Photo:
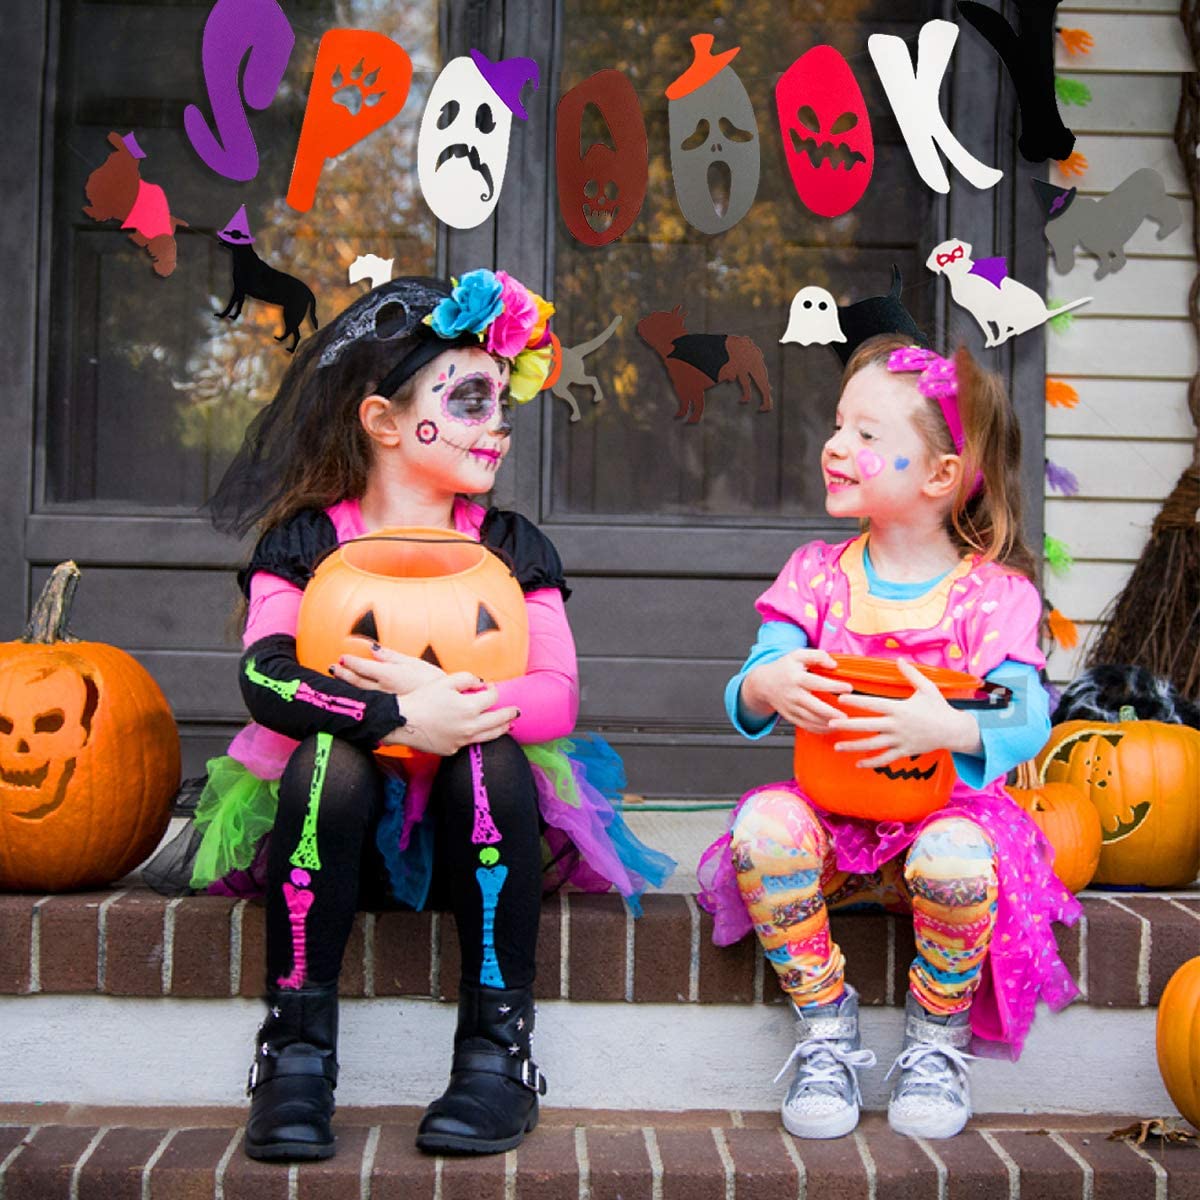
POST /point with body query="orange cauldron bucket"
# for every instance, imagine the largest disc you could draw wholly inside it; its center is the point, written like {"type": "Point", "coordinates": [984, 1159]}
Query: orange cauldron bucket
{"type": "Point", "coordinates": [905, 790]}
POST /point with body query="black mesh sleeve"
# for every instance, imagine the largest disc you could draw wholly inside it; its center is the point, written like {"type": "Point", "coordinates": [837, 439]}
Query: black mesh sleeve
{"type": "Point", "coordinates": [529, 551]}
{"type": "Point", "coordinates": [292, 700]}
{"type": "Point", "coordinates": [293, 549]}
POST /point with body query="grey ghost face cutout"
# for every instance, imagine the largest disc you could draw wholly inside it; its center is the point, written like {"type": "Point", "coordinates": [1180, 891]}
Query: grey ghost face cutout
{"type": "Point", "coordinates": [714, 152]}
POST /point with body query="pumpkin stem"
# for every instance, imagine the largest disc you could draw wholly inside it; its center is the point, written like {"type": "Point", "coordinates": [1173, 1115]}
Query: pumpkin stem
{"type": "Point", "coordinates": [52, 611]}
{"type": "Point", "coordinates": [1027, 776]}
{"type": "Point", "coordinates": [1126, 713]}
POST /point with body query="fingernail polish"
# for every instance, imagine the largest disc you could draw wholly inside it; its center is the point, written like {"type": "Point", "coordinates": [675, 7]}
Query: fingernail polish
{"type": "Point", "coordinates": [376, 646]}
{"type": "Point", "coordinates": [332, 670]}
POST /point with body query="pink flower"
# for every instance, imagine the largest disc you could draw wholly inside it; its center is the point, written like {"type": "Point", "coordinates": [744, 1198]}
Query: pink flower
{"type": "Point", "coordinates": [509, 332]}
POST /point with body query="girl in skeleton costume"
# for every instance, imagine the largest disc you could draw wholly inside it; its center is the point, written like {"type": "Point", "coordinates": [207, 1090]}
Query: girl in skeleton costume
{"type": "Point", "coordinates": [391, 416]}
{"type": "Point", "coordinates": [925, 453]}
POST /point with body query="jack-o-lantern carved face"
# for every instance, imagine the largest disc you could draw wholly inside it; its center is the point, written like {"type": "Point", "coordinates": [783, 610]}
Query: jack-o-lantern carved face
{"type": "Point", "coordinates": [826, 130]}
{"type": "Point", "coordinates": [428, 593]}
{"type": "Point", "coordinates": [714, 152]}
{"type": "Point", "coordinates": [601, 188]}
{"type": "Point", "coordinates": [45, 717]}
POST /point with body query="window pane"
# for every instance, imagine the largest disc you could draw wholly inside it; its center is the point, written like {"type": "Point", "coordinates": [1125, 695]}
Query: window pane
{"type": "Point", "coordinates": [627, 456]}
{"type": "Point", "coordinates": [148, 392]}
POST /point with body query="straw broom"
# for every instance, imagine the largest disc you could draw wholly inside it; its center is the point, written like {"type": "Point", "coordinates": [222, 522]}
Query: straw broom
{"type": "Point", "coordinates": [1155, 622]}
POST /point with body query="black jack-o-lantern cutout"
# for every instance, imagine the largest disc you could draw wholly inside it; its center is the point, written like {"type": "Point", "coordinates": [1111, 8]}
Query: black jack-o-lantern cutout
{"type": "Point", "coordinates": [601, 189]}
{"type": "Point", "coordinates": [429, 593]}
{"type": "Point", "coordinates": [826, 130]}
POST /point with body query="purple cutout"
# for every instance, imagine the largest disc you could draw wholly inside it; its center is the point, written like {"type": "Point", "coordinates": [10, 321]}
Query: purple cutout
{"type": "Point", "coordinates": [485, 828]}
{"type": "Point", "coordinates": [298, 902]}
{"type": "Point", "coordinates": [257, 33]}
{"type": "Point", "coordinates": [994, 270]}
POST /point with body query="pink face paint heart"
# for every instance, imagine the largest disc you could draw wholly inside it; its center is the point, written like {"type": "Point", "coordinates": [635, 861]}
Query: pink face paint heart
{"type": "Point", "coordinates": [869, 463]}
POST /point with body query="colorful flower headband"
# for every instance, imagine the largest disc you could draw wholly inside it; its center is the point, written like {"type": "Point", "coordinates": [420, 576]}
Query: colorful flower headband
{"type": "Point", "coordinates": [938, 381]}
{"type": "Point", "coordinates": [509, 320]}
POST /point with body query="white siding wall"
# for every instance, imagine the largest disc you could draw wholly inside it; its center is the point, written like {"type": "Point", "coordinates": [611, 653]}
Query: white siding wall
{"type": "Point", "coordinates": [1131, 351]}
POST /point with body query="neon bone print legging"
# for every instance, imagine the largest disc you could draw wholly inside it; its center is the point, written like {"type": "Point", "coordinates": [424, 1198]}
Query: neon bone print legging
{"type": "Point", "coordinates": [789, 881]}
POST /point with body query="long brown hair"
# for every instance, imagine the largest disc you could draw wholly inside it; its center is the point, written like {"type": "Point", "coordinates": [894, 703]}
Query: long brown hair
{"type": "Point", "coordinates": [989, 523]}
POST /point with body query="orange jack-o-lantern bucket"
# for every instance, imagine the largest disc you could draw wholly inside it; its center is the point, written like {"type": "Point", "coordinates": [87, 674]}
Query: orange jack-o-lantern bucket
{"type": "Point", "coordinates": [430, 593]}
{"type": "Point", "coordinates": [905, 790]}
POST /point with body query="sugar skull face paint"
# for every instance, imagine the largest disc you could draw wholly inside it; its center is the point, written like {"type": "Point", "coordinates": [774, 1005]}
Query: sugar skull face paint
{"type": "Point", "coordinates": [427, 433]}
{"type": "Point", "coordinates": [901, 463]}
{"type": "Point", "coordinates": [470, 399]}
{"type": "Point", "coordinates": [869, 463]}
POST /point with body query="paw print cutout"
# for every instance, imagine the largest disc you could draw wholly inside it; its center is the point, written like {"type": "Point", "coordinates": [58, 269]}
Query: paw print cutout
{"type": "Point", "coordinates": [351, 93]}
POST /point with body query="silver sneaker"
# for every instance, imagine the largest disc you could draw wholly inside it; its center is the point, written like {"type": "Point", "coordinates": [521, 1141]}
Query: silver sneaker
{"type": "Point", "coordinates": [931, 1097]}
{"type": "Point", "coordinates": [824, 1098]}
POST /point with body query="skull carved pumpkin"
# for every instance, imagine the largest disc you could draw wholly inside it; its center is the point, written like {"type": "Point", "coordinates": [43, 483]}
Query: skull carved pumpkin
{"type": "Point", "coordinates": [89, 755]}
{"type": "Point", "coordinates": [826, 130]}
{"type": "Point", "coordinates": [429, 593]}
{"type": "Point", "coordinates": [904, 790]}
{"type": "Point", "coordinates": [601, 189]}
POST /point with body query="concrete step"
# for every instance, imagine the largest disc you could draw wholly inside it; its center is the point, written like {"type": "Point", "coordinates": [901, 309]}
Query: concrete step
{"type": "Point", "coordinates": [181, 1154]}
{"type": "Point", "coordinates": [633, 1014]}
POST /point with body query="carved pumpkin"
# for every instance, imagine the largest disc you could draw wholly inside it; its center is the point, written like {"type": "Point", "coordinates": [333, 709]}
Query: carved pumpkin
{"type": "Point", "coordinates": [1144, 779]}
{"type": "Point", "coordinates": [905, 790]}
{"type": "Point", "coordinates": [430, 593]}
{"type": "Point", "coordinates": [89, 755]}
{"type": "Point", "coordinates": [1069, 821]}
{"type": "Point", "coordinates": [1178, 1039]}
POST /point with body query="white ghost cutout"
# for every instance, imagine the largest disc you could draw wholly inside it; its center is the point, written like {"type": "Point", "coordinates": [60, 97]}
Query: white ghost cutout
{"type": "Point", "coordinates": [813, 319]}
{"type": "Point", "coordinates": [462, 145]}
{"type": "Point", "coordinates": [372, 268]}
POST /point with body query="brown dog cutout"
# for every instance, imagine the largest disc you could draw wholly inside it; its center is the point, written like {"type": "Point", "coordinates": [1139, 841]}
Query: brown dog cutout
{"type": "Point", "coordinates": [117, 192]}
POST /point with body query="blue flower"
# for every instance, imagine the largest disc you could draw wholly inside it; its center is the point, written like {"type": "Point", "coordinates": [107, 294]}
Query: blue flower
{"type": "Point", "coordinates": [475, 303]}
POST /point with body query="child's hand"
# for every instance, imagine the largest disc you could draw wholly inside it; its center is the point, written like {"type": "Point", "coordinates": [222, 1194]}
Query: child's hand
{"type": "Point", "coordinates": [443, 716]}
{"type": "Point", "coordinates": [917, 725]}
{"type": "Point", "coordinates": [388, 671]}
{"type": "Point", "coordinates": [787, 687]}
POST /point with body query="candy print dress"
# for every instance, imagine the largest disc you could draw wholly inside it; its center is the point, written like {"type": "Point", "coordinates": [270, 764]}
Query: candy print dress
{"type": "Point", "coordinates": [975, 617]}
{"type": "Point", "coordinates": [586, 842]}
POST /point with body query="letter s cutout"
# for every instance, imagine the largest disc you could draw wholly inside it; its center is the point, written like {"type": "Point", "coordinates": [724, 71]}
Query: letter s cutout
{"type": "Point", "coordinates": [258, 32]}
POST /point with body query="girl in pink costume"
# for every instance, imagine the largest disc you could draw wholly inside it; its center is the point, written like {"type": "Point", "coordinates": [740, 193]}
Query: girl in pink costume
{"type": "Point", "coordinates": [391, 416]}
{"type": "Point", "coordinates": [925, 453]}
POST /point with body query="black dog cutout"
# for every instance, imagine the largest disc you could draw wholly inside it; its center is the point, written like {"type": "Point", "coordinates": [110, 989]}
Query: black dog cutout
{"type": "Point", "coordinates": [254, 278]}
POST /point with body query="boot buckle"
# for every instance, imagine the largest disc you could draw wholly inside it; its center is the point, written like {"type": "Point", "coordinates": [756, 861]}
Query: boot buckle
{"type": "Point", "coordinates": [532, 1077]}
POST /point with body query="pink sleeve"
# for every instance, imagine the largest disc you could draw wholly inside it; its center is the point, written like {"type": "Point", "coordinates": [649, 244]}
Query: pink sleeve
{"type": "Point", "coordinates": [548, 693]}
{"type": "Point", "coordinates": [274, 607]}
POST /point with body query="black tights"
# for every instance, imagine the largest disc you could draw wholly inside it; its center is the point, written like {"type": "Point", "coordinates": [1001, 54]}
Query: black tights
{"type": "Point", "coordinates": [487, 859]}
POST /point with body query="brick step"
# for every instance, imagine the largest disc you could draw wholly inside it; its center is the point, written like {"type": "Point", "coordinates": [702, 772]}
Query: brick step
{"type": "Point", "coordinates": [106, 1154]}
{"type": "Point", "coordinates": [134, 942]}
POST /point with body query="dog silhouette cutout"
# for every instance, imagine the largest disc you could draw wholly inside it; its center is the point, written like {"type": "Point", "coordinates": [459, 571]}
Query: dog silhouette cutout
{"type": "Point", "coordinates": [1003, 307]}
{"type": "Point", "coordinates": [1103, 226]}
{"type": "Point", "coordinates": [572, 372]}
{"type": "Point", "coordinates": [697, 362]}
{"type": "Point", "coordinates": [116, 191]}
{"type": "Point", "coordinates": [258, 280]}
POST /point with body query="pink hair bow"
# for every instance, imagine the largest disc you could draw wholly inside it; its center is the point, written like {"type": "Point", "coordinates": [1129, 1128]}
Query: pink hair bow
{"type": "Point", "coordinates": [938, 381]}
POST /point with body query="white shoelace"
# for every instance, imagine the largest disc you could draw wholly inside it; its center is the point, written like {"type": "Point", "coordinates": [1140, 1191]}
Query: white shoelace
{"type": "Point", "coordinates": [927, 1073]}
{"type": "Point", "coordinates": [830, 1072]}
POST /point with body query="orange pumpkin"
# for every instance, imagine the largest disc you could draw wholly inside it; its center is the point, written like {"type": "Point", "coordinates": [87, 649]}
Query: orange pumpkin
{"type": "Point", "coordinates": [1144, 779]}
{"type": "Point", "coordinates": [1069, 821]}
{"type": "Point", "coordinates": [89, 755]}
{"type": "Point", "coordinates": [430, 593]}
{"type": "Point", "coordinates": [1178, 1039]}
{"type": "Point", "coordinates": [905, 790]}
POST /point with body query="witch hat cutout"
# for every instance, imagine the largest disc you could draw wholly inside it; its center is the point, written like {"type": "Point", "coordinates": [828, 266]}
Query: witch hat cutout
{"type": "Point", "coordinates": [256, 279]}
{"type": "Point", "coordinates": [506, 77]}
{"type": "Point", "coordinates": [1103, 226]}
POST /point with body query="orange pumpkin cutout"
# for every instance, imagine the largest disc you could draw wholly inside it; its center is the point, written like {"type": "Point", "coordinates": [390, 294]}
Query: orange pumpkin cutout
{"type": "Point", "coordinates": [430, 593]}
{"type": "Point", "coordinates": [1144, 779]}
{"type": "Point", "coordinates": [89, 755]}
{"type": "Point", "coordinates": [1069, 821]}
{"type": "Point", "coordinates": [1178, 1039]}
{"type": "Point", "coordinates": [905, 790]}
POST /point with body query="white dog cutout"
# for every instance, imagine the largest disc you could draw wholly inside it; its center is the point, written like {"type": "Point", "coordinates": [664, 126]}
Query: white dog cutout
{"type": "Point", "coordinates": [813, 319]}
{"type": "Point", "coordinates": [984, 289]}
{"type": "Point", "coordinates": [371, 267]}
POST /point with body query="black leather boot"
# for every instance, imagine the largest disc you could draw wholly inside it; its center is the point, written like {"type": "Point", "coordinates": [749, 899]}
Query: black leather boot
{"type": "Point", "coordinates": [293, 1076]}
{"type": "Point", "coordinates": [492, 1100]}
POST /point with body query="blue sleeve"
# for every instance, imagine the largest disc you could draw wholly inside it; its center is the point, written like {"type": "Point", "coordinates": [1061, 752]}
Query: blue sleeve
{"type": "Point", "coordinates": [775, 639]}
{"type": "Point", "coordinates": [1009, 735]}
